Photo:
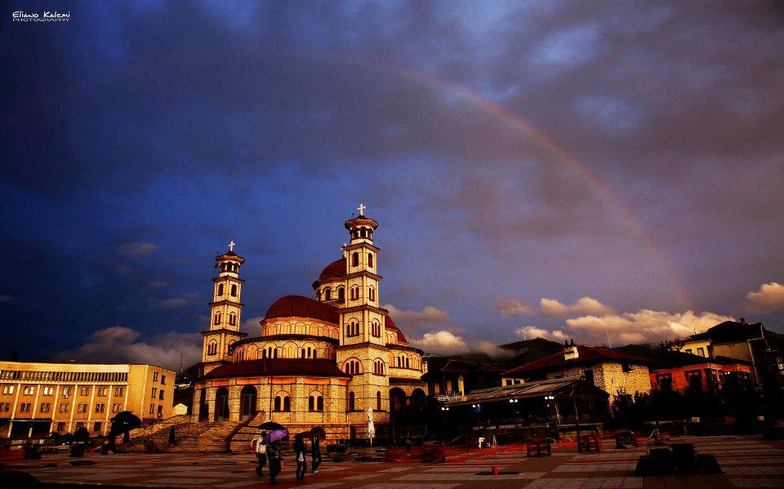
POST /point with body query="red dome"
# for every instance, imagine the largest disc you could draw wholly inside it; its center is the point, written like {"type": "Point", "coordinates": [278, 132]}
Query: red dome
{"type": "Point", "coordinates": [336, 269]}
{"type": "Point", "coordinates": [390, 324]}
{"type": "Point", "coordinates": [303, 307]}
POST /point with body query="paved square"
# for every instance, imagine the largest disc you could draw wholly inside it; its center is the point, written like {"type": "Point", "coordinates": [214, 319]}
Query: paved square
{"type": "Point", "coordinates": [745, 461]}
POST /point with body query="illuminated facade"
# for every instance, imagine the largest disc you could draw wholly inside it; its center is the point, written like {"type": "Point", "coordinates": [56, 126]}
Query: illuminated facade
{"type": "Point", "coordinates": [317, 361]}
{"type": "Point", "coordinates": [41, 398]}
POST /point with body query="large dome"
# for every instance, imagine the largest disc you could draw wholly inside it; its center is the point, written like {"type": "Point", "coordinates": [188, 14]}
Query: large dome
{"type": "Point", "coordinates": [303, 307]}
{"type": "Point", "coordinates": [334, 271]}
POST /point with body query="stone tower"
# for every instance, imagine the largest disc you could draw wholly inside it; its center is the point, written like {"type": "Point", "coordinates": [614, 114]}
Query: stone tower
{"type": "Point", "coordinates": [362, 335]}
{"type": "Point", "coordinates": [225, 311]}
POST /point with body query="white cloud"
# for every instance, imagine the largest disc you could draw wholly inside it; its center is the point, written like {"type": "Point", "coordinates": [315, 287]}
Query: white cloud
{"type": "Point", "coordinates": [251, 325]}
{"type": "Point", "coordinates": [172, 302]}
{"type": "Point", "coordinates": [584, 305]}
{"type": "Point", "coordinates": [769, 297]}
{"type": "Point", "coordinates": [428, 315]}
{"type": "Point", "coordinates": [644, 325]}
{"type": "Point", "coordinates": [444, 342]}
{"type": "Point", "coordinates": [531, 332]}
{"type": "Point", "coordinates": [512, 307]}
{"type": "Point", "coordinates": [136, 248]}
{"type": "Point", "coordinates": [119, 344]}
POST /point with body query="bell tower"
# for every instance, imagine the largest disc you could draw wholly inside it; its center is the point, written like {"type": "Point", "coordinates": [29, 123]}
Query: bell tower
{"type": "Point", "coordinates": [225, 311]}
{"type": "Point", "coordinates": [362, 332]}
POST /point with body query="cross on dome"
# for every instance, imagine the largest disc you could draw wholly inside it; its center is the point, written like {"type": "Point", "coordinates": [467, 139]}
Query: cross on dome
{"type": "Point", "coordinates": [361, 209]}
{"type": "Point", "coordinates": [232, 244]}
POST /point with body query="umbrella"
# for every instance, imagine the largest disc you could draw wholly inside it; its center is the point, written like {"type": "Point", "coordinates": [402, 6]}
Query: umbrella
{"type": "Point", "coordinates": [275, 435]}
{"type": "Point", "coordinates": [127, 420]}
{"type": "Point", "coordinates": [319, 431]}
{"type": "Point", "coordinates": [371, 426]}
{"type": "Point", "coordinates": [271, 425]}
{"type": "Point", "coordinates": [304, 434]}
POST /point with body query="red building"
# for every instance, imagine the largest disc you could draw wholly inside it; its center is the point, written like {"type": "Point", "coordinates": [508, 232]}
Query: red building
{"type": "Point", "coordinates": [679, 371]}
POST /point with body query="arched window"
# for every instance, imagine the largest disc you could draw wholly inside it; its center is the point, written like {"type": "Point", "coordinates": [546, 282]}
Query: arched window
{"type": "Point", "coordinates": [234, 290]}
{"type": "Point", "coordinates": [378, 367]}
{"type": "Point", "coordinates": [352, 328]}
{"type": "Point", "coordinates": [370, 260]}
{"type": "Point", "coordinates": [217, 318]}
{"type": "Point", "coordinates": [353, 367]}
{"type": "Point", "coordinates": [355, 259]}
{"type": "Point", "coordinates": [371, 293]}
{"type": "Point", "coordinates": [351, 401]}
{"type": "Point", "coordinates": [341, 294]}
{"type": "Point", "coordinates": [327, 294]}
{"type": "Point", "coordinates": [277, 404]}
{"type": "Point", "coordinates": [220, 290]}
{"type": "Point", "coordinates": [408, 365]}
{"type": "Point", "coordinates": [232, 318]}
{"type": "Point", "coordinates": [212, 348]}
{"type": "Point", "coordinates": [320, 404]}
{"type": "Point", "coordinates": [378, 400]}
{"type": "Point", "coordinates": [311, 403]}
{"type": "Point", "coordinates": [241, 355]}
{"type": "Point", "coordinates": [354, 293]}
{"type": "Point", "coordinates": [286, 404]}
{"type": "Point", "coordinates": [375, 329]}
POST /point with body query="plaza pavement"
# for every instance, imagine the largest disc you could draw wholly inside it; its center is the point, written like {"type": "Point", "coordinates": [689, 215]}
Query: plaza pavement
{"type": "Point", "coordinates": [747, 462]}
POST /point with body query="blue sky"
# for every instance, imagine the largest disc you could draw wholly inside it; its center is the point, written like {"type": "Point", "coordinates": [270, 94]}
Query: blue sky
{"type": "Point", "coordinates": [139, 138]}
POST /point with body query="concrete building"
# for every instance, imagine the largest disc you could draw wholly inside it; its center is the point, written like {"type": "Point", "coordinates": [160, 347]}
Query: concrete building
{"type": "Point", "coordinates": [678, 371]}
{"type": "Point", "coordinates": [321, 361]}
{"type": "Point", "coordinates": [41, 398]}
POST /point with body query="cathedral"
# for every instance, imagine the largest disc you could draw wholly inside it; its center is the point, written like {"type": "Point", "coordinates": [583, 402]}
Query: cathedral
{"type": "Point", "coordinates": [326, 361]}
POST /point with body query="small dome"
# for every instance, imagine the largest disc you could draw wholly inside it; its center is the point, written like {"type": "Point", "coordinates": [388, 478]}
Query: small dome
{"type": "Point", "coordinates": [390, 324]}
{"type": "Point", "coordinates": [303, 307]}
{"type": "Point", "coordinates": [336, 269]}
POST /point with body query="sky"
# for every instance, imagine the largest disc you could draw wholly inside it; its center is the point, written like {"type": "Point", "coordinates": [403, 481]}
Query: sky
{"type": "Point", "coordinates": [609, 172]}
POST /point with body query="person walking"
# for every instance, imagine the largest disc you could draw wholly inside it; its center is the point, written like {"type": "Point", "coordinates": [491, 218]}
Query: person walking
{"type": "Point", "coordinates": [299, 453]}
{"type": "Point", "coordinates": [273, 456]}
{"type": "Point", "coordinates": [315, 454]}
{"type": "Point", "coordinates": [261, 454]}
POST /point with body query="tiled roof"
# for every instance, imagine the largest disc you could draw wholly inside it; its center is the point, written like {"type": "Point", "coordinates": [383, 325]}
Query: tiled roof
{"type": "Point", "coordinates": [730, 331]}
{"type": "Point", "coordinates": [304, 307]}
{"type": "Point", "coordinates": [322, 367]}
{"type": "Point", "coordinates": [390, 324]}
{"type": "Point", "coordinates": [560, 388]}
{"type": "Point", "coordinates": [361, 221]}
{"type": "Point", "coordinates": [586, 355]}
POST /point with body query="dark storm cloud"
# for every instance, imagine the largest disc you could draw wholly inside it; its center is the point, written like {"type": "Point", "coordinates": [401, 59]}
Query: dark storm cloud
{"type": "Point", "coordinates": [136, 136]}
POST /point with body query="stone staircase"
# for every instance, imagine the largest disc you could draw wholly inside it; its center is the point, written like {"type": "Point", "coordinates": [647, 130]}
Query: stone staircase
{"type": "Point", "coordinates": [241, 439]}
{"type": "Point", "coordinates": [203, 437]}
{"type": "Point", "coordinates": [158, 426]}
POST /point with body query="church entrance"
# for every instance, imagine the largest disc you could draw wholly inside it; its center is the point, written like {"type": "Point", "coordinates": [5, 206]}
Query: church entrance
{"type": "Point", "coordinates": [222, 404]}
{"type": "Point", "coordinates": [204, 410]}
{"type": "Point", "coordinates": [247, 402]}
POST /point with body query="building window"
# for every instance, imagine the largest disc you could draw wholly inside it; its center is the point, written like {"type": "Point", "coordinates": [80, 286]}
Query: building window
{"type": "Point", "coordinates": [217, 318]}
{"type": "Point", "coordinates": [64, 408]}
{"type": "Point", "coordinates": [61, 426]}
{"type": "Point", "coordinates": [80, 424]}
{"type": "Point", "coordinates": [220, 290]}
{"type": "Point", "coordinates": [29, 390]}
{"type": "Point", "coordinates": [66, 391]}
{"type": "Point", "coordinates": [232, 319]}
{"type": "Point", "coordinates": [378, 367]}
{"type": "Point", "coordinates": [45, 407]}
{"type": "Point", "coordinates": [84, 390]}
{"type": "Point", "coordinates": [100, 392]}
{"type": "Point", "coordinates": [48, 390]}
{"type": "Point", "coordinates": [370, 260]}
{"type": "Point", "coordinates": [341, 294]}
{"type": "Point", "coordinates": [354, 293]}
{"type": "Point", "coordinates": [97, 426]}
{"type": "Point", "coordinates": [694, 378]}
{"type": "Point", "coordinates": [99, 408]}
{"type": "Point", "coordinates": [8, 389]}
{"type": "Point", "coordinates": [701, 351]}
{"type": "Point", "coordinates": [154, 392]}
{"type": "Point", "coordinates": [665, 382]}
{"type": "Point", "coordinates": [375, 329]}
{"type": "Point", "coordinates": [351, 401]}
{"type": "Point", "coordinates": [152, 409]}
{"type": "Point", "coordinates": [212, 348]}
{"type": "Point", "coordinates": [626, 367]}
{"type": "Point", "coordinates": [378, 401]}
{"type": "Point", "coordinates": [115, 408]}
{"type": "Point", "coordinates": [160, 411]}
{"type": "Point", "coordinates": [371, 293]}
{"type": "Point", "coordinates": [25, 407]}
{"type": "Point", "coordinates": [408, 365]}
{"type": "Point", "coordinates": [286, 404]}
{"type": "Point", "coordinates": [355, 259]}
{"type": "Point", "coordinates": [688, 350]}
{"type": "Point", "coordinates": [316, 403]}
{"type": "Point", "coordinates": [160, 395]}
{"type": "Point", "coordinates": [327, 294]}
{"type": "Point", "coordinates": [118, 391]}
{"type": "Point", "coordinates": [234, 290]}
{"type": "Point", "coordinates": [353, 367]}
{"type": "Point", "coordinates": [352, 328]}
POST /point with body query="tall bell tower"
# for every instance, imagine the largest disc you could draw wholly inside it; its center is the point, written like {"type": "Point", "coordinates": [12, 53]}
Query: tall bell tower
{"type": "Point", "coordinates": [362, 335]}
{"type": "Point", "coordinates": [225, 311]}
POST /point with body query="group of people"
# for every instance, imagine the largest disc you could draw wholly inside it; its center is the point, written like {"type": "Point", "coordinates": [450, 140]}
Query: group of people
{"type": "Point", "coordinates": [272, 453]}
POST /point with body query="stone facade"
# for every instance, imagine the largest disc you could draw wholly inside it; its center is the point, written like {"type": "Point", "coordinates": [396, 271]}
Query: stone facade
{"type": "Point", "coordinates": [344, 325]}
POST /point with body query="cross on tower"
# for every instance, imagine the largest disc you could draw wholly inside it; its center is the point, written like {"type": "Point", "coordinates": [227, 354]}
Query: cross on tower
{"type": "Point", "coordinates": [361, 209]}
{"type": "Point", "coordinates": [232, 244]}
